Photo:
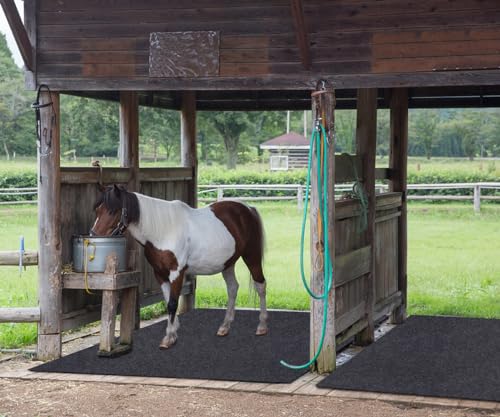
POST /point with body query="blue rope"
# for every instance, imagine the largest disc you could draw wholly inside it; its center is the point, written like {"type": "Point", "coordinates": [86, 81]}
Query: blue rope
{"type": "Point", "coordinates": [322, 188]}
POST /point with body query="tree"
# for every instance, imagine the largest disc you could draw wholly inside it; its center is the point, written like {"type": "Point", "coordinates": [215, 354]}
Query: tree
{"type": "Point", "coordinates": [423, 124]}
{"type": "Point", "coordinates": [160, 131]}
{"type": "Point", "coordinates": [15, 126]}
{"type": "Point", "coordinates": [89, 126]}
{"type": "Point", "coordinates": [345, 131]}
{"type": "Point", "coordinates": [230, 125]}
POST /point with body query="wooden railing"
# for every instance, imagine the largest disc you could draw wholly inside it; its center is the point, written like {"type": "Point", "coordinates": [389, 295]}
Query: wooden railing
{"type": "Point", "coordinates": [19, 314]}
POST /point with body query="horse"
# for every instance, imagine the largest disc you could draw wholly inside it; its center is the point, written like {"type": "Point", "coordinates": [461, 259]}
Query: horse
{"type": "Point", "coordinates": [180, 240]}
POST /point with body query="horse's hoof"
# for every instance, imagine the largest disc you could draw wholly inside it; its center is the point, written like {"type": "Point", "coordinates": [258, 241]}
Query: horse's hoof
{"type": "Point", "coordinates": [167, 343]}
{"type": "Point", "coordinates": [261, 331]}
{"type": "Point", "coordinates": [223, 331]}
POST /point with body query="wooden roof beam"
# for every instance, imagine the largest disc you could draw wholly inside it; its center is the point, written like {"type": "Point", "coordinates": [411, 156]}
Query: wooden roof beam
{"type": "Point", "coordinates": [19, 31]}
{"type": "Point", "coordinates": [301, 33]}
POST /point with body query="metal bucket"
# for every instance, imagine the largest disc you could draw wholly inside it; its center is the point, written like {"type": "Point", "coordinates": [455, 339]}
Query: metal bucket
{"type": "Point", "coordinates": [93, 250]}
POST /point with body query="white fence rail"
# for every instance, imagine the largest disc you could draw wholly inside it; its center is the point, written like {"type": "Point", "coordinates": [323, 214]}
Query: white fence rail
{"type": "Point", "coordinates": [18, 192]}
{"type": "Point", "coordinates": [297, 192]}
{"type": "Point", "coordinates": [299, 189]}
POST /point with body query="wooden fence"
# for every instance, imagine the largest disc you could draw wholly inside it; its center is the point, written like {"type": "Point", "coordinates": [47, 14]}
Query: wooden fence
{"type": "Point", "coordinates": [297, 192]}
{"type": "Point", "coordinates": [19, 314]}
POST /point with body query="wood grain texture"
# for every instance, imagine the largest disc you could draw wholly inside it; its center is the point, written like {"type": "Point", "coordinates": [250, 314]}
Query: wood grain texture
{"type": "Point", "coordinates": [353, 43]}
{"type": "Point", "coordinates": [12, 258]}
{"type": "Point", "coordinates": [302, 32]}
{"type": "Point", "coordinates": [49, 230]}
{"type": "Point", "coordinates": [323, 106]}
{"type": "Point", "coordinates": [20, 315]}
{"type": "Point", "coordinates": [366, 138]}
{"type": "Point", "coordinates": [101, 280]}
{"type": "Point", "coordinates": [398, 162]}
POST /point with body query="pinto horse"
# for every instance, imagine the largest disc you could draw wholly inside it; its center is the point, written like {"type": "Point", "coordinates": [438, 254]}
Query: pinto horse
{"type": "Point", "coordinates": [180, 240]}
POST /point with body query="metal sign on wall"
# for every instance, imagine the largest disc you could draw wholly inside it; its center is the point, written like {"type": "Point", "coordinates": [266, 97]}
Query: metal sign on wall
{"type": "Point", "coordinates": [184, 54]}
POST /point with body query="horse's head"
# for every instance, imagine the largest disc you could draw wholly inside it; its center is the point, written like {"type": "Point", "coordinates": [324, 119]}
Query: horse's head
{"type": "Point", "coordinates": [115, 209]}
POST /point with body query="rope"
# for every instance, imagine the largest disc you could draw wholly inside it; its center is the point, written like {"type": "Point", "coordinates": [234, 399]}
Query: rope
{"type": "Point", "coordinates": [322, 151]}
{"type": "Point", "coordinates": [86, 260]}
{"type": "Point", "coordinates": [359, 192]}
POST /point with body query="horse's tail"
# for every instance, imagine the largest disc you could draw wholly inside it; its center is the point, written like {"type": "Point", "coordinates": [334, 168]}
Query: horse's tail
{"type": "Point", "coordinates": [261, 236]}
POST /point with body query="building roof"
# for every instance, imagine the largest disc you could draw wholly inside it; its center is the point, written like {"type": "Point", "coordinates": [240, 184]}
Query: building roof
{"type": "Point", "coordinates": [286, 141]}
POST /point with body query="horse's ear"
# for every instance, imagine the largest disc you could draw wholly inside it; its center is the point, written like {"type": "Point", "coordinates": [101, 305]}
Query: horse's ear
{"type": "Point", "coordinates": [116, 190]}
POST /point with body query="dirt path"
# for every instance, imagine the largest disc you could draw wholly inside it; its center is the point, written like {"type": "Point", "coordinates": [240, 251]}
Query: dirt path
{"type": "Point", "coordinates": [65, 398]}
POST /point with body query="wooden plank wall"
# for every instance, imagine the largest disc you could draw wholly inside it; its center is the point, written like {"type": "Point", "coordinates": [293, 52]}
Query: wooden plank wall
{"type": "Point", "coordinates": [78, 196]}
{"type": "Point", "coordinates": [107, 39]}
{"type": "Point", "coordinates": [353, 260]}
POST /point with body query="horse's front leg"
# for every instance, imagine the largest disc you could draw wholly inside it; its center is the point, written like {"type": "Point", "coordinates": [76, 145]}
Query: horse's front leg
{"type": "Point", "coordinates": [175, 286]}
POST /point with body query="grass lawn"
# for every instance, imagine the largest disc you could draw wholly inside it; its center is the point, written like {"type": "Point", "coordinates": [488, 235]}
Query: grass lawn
{"type": "Point", "coordinates": [453, 263]}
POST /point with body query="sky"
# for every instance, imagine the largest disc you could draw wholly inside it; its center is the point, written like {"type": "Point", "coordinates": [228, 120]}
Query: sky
{"type": "Point", "coordinates": [4, 28]}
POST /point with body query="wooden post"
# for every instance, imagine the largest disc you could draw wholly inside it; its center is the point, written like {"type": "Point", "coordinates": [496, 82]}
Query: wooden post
{"type": "Point", "coordinates": [49, 230]}
{"type": "Point", "coordinates": [398, 161]}
{"type": "Point", "coordinates": [189, 158]}
{"type": "Point", "coordinates": [129, 136]}
{"type": "Point", "coordinates": [128, 153]}
{"type": "Point", "coordinates": [366, 142]}
{"type": "Point", "coordinates": [477, 198]}
{"type": "Point", "coordinates": [300, 198]}
{"type": "Point", "coordinates": [323, 106]}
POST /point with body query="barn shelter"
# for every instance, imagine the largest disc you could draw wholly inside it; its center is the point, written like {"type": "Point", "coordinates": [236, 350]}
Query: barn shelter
{"type": "Point", "coordinates": [289, 150]}
{"type": "Point", "coordinates": [252, 55]}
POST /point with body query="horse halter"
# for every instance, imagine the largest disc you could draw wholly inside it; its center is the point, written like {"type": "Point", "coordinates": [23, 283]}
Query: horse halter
{"type": "Point", "coordinates": [120, 227]}
{"type": "Point", "coordinates": [122, 224]}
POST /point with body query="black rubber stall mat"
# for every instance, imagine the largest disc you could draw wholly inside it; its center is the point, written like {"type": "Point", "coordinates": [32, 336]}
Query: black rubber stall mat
{"type": "Point", "coordinates": [429, 356]}
{"type": "Point", "coordinates": [200, 354]}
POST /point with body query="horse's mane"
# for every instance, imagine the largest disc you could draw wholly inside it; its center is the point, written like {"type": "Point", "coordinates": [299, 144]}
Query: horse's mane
{"type": "Point", "coordinates": [116, 197]}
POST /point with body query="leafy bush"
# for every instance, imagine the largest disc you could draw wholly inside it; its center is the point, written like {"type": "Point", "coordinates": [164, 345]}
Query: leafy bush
{"type": "Point", "coordinates": [18, 180]}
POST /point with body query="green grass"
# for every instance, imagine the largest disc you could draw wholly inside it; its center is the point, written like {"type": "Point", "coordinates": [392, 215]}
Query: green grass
{"type": "Point", "coordinates": [453, 264]}
{"type": "Point", "coordinates": [16, 290]}
{"type": "Point", "coordinates": [453, 260]}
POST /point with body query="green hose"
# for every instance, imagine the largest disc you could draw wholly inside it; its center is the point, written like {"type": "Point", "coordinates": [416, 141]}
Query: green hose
{"type": "Point", "coordinates": [322, 189]}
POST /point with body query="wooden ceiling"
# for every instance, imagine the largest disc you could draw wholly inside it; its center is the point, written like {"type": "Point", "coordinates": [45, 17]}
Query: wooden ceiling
{"type": "Point", "coordinates": [423, 97]}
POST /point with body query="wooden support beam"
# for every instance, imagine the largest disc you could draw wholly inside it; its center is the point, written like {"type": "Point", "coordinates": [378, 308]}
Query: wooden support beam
{"type": "Point", "coordinates": [301, 33]}
{"type": "Point", "coordinates": [19, 315]}
{"type": "Point", "coordinates": [12, 258]}
{"type": "Point", "coordinates": [366, 141]}
{"type": "Point", "coordinates": [49, 230]}
{"type": "Point", "coordinates": [189, 155]}
{"type": "Point", "coordinates": [129, 158]}
{"type": "Point", "coordinates": [129, 136]}
{"type": "Point", "coordinates": [19, 32]}
{"type": "Point", "coordinates": [398, 161]}
{"type": "Point", "coordinates": [189, 158]}
{"type": "Point", "coordinates": [323, 106]}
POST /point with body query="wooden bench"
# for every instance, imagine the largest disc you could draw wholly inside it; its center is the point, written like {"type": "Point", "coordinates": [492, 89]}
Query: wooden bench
{"type": "Point", "coordinates": [115, 287]}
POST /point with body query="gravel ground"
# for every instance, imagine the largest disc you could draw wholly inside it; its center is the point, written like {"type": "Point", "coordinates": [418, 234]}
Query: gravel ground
{"type": "Point", "coordinates": [64, 398]}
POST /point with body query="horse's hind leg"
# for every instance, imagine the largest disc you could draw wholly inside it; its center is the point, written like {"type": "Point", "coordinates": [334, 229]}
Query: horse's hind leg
{"type": "Point", "coordinates": [255, 267]}
{"type": "Point", "coordinates": [232, 292]}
